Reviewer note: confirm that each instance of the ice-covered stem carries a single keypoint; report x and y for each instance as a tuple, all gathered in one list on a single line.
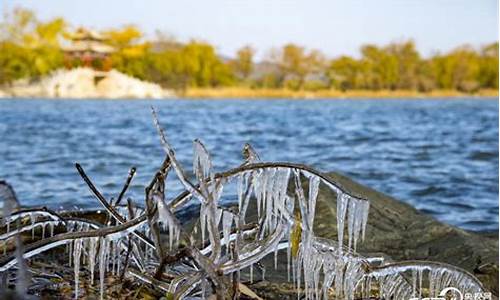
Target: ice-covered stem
[(169, 259), (111, 210), (131, 216), (466, 280), (155, 193), (209, 190), (249, 154), (28, 227), (40, 246), (257, 250), (8, 197), (130, 176), (149, 279), (156, 185), (130, 209), (23, 278), (175, 164), (236, 275), (191, 283), (216, 275), (182, 198), (206, 268), (162, 172), (33, 212), (156, 188)]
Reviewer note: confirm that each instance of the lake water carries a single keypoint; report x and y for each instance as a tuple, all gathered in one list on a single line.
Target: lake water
[(439, 155)]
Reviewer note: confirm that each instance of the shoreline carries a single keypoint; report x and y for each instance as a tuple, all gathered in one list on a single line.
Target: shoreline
[(257, 94), (232, 93)]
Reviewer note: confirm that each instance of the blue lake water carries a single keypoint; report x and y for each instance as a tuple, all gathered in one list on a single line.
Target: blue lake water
[(439, 155)]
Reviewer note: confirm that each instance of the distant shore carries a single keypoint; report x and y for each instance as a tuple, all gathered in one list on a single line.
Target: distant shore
[(249, 93), (262, 94)]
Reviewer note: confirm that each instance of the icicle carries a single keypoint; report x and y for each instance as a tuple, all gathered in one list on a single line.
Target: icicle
[(241, 179), (364, 219), (202, 164), (357, 215), (102, 264), (420, 278), (288, 258), (276, 257), (70, 252), (227, 222), (109, 256), (203, 221), (32, 220), (251, 273), (114, 246), (119, 264), (351, 216), (77, 254), (246, 194), (313, 195), (166, 217), (51, 226), (255, 184), (92, 257)]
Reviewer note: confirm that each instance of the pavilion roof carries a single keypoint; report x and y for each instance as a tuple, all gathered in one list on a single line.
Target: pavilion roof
[(86, 45), (86, 34)]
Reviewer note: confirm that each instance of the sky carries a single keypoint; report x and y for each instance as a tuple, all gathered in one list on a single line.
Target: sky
[(335, 27)]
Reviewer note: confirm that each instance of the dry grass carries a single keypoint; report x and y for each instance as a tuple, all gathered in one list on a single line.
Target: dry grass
[(244, 92)]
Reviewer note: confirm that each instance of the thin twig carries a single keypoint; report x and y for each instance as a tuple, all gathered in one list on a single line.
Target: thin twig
[(175, 164), (130, 176), (129, 245), (108, 207)]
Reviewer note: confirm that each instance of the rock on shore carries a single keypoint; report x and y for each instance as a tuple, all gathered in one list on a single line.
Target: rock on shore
[(88, 83)]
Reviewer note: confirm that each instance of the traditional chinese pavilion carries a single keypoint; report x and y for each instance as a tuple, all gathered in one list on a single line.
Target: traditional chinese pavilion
[(88, 48)]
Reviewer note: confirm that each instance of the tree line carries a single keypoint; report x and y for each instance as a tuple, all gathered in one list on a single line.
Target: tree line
[(31, 48)]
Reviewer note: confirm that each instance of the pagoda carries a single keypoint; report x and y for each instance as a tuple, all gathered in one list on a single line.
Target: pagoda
[(88, 48)]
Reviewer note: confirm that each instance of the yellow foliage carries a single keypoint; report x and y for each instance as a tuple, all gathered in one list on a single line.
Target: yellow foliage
[(123, 37), (296, 235), (135, 51)]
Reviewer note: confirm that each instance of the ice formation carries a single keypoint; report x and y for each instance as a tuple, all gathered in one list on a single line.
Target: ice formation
[(393, 283)]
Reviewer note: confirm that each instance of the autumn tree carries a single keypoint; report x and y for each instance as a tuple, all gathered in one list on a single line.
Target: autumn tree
[(243, 63), (344, 73), (488, 68), (29, 47), (296, 63), (457, 70), (408, 61)]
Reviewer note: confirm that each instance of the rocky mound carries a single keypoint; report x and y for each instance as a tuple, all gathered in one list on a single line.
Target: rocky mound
[(88, 83)]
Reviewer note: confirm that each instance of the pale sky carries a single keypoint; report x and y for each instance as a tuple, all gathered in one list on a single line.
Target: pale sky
[(332, 26)]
